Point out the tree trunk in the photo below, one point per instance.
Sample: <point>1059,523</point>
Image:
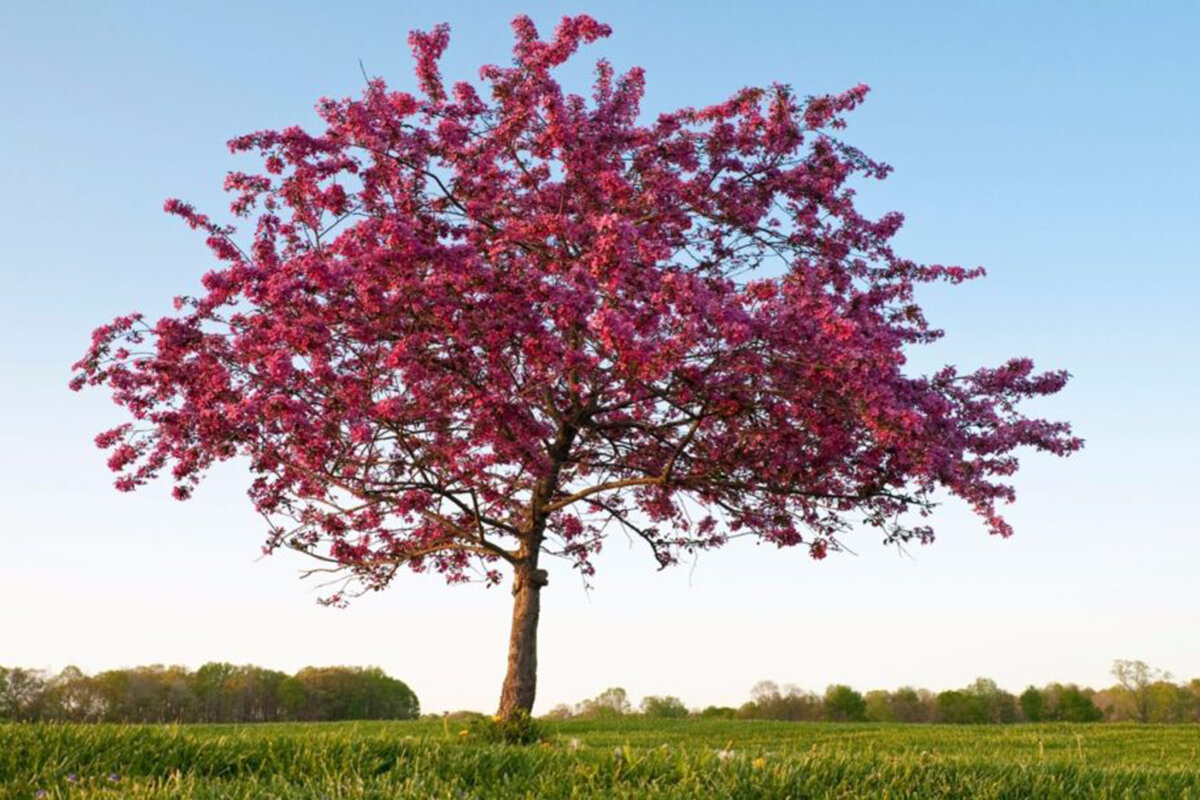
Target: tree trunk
<point>520,683</point>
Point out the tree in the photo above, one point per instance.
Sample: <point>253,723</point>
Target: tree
<point>844,704</point>
<point>1076,706</point>
<point>959,708</point>
<point>1033,704</point>
<point>21,692</point>
<point>1193,689</point>
<point>332,693</point>
<point>1059,703</point>
<point>913,705</point>
<point>668,707</point>
<point>209,684</point>
<point>906,704</point>
<point>792,703</point>
<point>471,330</point>
<point>1136,678</point>
<point>719,712</point>
<point>291,697</point>
<point>995,705</point>
<point>879,706</point>
<point>1168,703</point>
<point>560,711</point>
<point>74,697</point>
<point>612,702</point>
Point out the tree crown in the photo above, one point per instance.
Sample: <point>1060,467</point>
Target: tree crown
<point>473,325</point>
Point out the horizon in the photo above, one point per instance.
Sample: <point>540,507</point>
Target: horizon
<point>785,688</point>
<point>1020,119</point>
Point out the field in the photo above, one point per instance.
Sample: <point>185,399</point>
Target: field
<point>625,758</point>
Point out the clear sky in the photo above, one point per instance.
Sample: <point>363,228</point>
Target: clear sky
<point>1053,143</point>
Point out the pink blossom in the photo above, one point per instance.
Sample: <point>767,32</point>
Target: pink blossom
<point>471,328</point>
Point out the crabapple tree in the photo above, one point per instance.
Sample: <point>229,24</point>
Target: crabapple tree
<point>485,323</point>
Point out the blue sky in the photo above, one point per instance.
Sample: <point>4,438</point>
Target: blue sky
<point>1052,143</point>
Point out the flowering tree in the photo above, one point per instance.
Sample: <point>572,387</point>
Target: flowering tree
<point>471,330</point>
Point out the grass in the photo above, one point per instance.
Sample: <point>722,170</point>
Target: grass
<point>617,759</point>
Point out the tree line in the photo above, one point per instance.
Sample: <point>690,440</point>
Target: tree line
<point>1141,694</point>
<point>216,692</point>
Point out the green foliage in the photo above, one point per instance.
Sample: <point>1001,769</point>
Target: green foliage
<point>20,692</point>
<point>913,705</point>
<point>1075,706</point>
<point>668,707</point>
<point>216,692</point>
<point>354,693</point>
<point>843,704</point>
<point>1137,678</point>
<point>879,706</point>
<point>719,712</point>
<point>519,729</point>
<point>980,703</point>
<point>1033,704</point>
<point>1168,703</point>
<point>1059,703</point>
<point>789,703</point>
<point>612,702</point>
<point>617,758</point>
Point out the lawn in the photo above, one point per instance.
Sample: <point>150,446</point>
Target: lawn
<point>621,758</point>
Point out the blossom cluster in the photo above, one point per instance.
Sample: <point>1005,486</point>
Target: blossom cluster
<point>489,320</point>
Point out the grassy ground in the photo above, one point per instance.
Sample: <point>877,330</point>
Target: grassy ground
<point>628,758</point>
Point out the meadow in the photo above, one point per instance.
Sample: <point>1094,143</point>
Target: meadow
<point>625,758</point>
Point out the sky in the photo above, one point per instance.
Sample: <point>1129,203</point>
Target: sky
<point>1051,143</point>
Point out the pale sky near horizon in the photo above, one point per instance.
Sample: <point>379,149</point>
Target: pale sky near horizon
<point>1051,143</point>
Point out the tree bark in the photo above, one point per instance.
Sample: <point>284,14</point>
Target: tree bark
<point>520,682</point>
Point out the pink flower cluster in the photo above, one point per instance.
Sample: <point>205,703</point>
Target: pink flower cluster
<point>468,329</point>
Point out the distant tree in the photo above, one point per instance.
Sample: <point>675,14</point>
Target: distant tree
<point>21,693</point>
<point>178,703</point>
<point>1193,688</point>
<point>1033,704</point>
<point>214,693</point>
<point>994,704</point>
<point>667,707</point>
<point>388,697</point>
<point>472,330</point>
<point>1059,703</point>
<point>1168,703</point>
<point>1136,678</point>
<point>879,706</point>
<point>256,693</point>
<point>1114,702</point>
<point>768,701</point>
<point>958,708</point>
<point>209,684</point>
<point>913,705</point>
<point>612,702</point>
<point>113,687</point>
<point>844,704</point>
<point>73,697</point>
<point>1074,705</point>
<point>333,693</point>
<point>719,712</point>
<point>764,692</point>
<point>560,711</point>
<point>291,698</point>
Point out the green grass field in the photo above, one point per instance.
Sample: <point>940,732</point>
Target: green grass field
<point>626,758</point>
